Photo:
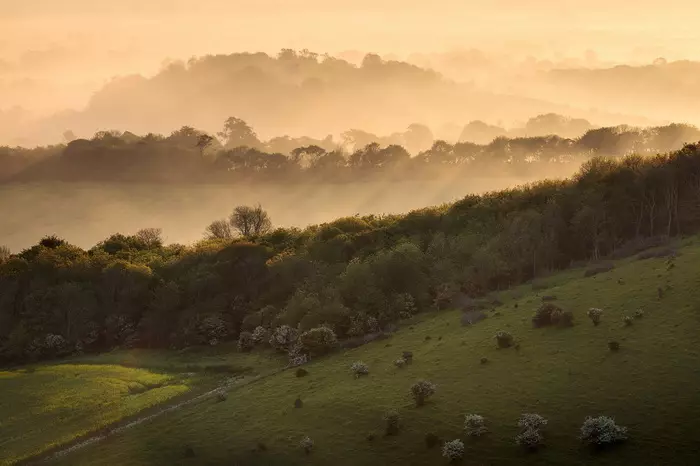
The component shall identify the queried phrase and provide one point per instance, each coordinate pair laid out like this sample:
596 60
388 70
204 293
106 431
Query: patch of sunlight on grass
54 404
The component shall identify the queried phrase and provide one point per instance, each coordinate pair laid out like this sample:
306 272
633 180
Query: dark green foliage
614 346
301 372
317 341
298 403
628 320
189 452
431 440
221 396
356 275
370 437
484 360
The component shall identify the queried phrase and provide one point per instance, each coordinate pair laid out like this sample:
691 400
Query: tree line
237 154
355 274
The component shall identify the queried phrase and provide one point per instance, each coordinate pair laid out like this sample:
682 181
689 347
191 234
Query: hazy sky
183 28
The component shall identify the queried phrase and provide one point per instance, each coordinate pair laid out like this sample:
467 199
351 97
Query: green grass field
650 386
47 405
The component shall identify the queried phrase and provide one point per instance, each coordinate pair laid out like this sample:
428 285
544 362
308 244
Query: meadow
47 405
564 374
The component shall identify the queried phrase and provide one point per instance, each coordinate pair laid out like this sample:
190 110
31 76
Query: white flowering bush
307 444
400 363
453 450
359 368
530 435
595 314
260 335
296 359
475 425
601 431
422 390
283 337
529 438
372 324
405 305
532 421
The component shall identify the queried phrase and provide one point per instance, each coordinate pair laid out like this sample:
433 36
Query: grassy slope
51 404
564 374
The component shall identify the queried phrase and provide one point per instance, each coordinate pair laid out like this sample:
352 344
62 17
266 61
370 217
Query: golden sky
182 28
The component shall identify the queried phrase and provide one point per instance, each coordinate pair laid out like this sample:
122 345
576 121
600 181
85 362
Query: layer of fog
86 213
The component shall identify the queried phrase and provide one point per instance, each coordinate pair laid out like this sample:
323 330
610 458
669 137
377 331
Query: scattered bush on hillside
453 450
544 315
431 440
530 435
359 368
529 438
601 268
531 421
307 444
298 403
628 320
317 341
602 431
283 337
221 396
400 363
301 372
392 418
484 360
475 425
370 437
245 341
595 314
189 452
614 346
563 318
504 339
638 314
407 356
421 391
549 298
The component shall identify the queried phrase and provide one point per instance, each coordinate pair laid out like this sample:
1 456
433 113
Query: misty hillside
303 93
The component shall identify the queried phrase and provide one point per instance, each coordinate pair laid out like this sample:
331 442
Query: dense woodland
355 275
237 154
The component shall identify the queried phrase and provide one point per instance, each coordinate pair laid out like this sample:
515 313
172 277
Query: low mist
86 213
